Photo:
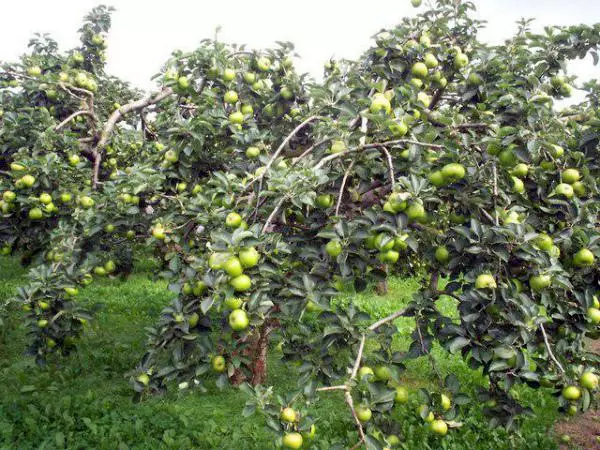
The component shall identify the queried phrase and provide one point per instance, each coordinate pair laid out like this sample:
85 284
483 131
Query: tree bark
257 352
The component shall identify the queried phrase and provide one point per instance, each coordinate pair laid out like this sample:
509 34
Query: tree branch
279 149
341 193
72 116
550 353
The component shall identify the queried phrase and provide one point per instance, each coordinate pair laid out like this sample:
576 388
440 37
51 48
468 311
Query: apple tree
266 194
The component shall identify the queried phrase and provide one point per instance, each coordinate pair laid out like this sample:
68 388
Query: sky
145 32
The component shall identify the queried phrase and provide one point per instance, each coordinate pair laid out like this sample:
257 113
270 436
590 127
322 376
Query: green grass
85 401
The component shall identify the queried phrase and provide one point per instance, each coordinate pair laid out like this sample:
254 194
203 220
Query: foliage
267 195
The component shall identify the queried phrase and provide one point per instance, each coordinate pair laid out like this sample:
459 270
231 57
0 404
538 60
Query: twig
114 118
280 148
72 116
339 387
350 403
387 319
372 146
308 150
341 193
390 166
274 212
361 348
550 353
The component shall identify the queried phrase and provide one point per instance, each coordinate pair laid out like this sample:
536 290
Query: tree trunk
259 355
257 352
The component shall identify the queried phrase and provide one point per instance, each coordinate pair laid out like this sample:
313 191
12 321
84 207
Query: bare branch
350 403
361 348
339 387
308 151
374 146
72 116
274 212
280 148
137 105
550 353
343 185
387 319
390 166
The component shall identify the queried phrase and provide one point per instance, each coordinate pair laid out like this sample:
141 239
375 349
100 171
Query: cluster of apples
383 374
293 439
572 393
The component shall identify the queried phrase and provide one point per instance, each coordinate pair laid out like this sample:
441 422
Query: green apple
324 201
263 63
398 128
518 186
228 75
292 440
36 214
233 302
460 60
158 232
74 160
183 83
442 255
594 315
337 146
233 220
252 152
363 413
383 373
27 180
241 283
247 110
520 170
453 171
110 266
193 320
171 156
544 242
445 402
288 415
249 257
416 212
71 291
416 3
540 282
238 320
439 427
86 202
389 256
589 380
424 98
583 258
437 179
571 393
286 93
236 118
333 248
380 103
565 190
218 364
430 61
249 77
579 188
485 281
9 196
34 71
233 267
401 395
419 70
365 371
570 176
42 323
230 97
100 271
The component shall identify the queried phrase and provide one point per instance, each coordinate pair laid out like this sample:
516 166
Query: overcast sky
145 32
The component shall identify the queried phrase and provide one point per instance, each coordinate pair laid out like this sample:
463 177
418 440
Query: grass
85 402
